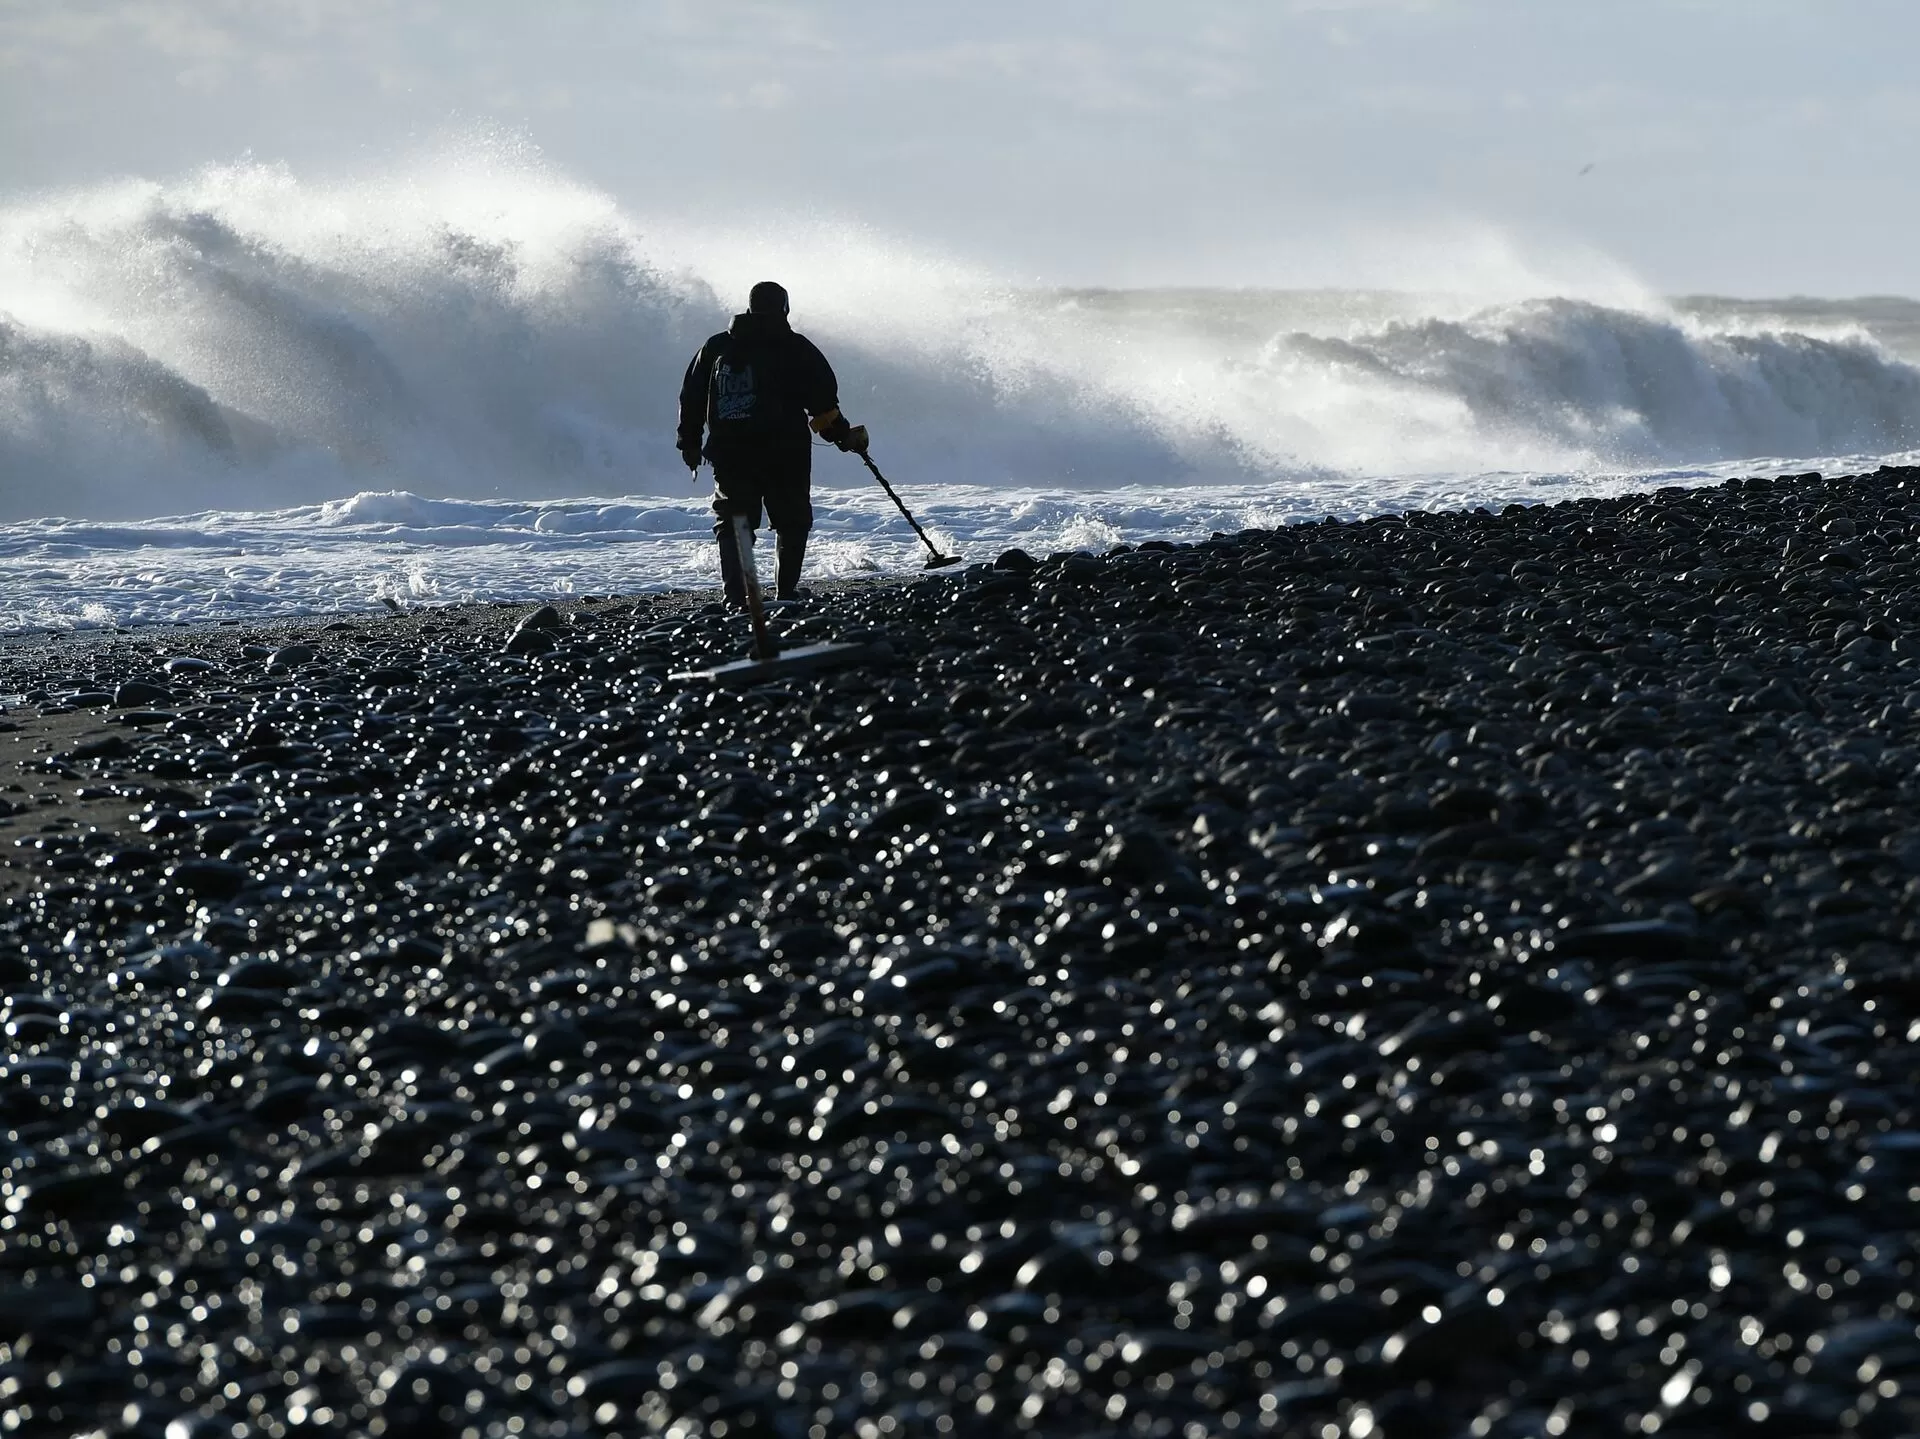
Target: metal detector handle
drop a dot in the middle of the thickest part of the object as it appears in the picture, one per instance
(867, 460)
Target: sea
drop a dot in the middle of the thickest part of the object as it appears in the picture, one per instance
(250, 393)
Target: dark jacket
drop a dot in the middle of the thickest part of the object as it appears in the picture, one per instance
(752, 389)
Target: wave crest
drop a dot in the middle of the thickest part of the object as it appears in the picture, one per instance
(246, 340)
(1620, 387)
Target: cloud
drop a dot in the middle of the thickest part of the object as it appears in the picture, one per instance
(203, 42)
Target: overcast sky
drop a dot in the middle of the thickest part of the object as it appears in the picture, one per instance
(1743, 146)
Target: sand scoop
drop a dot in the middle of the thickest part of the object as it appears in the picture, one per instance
(769, 661)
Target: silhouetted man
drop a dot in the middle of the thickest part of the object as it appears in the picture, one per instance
(755, 390)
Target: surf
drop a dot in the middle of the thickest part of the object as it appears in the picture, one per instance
(247, 339)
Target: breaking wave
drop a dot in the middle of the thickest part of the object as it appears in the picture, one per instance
(248, 340)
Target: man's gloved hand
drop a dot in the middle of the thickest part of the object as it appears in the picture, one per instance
(691, 454)
(834, 429)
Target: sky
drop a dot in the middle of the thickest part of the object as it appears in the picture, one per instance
(1746, 147)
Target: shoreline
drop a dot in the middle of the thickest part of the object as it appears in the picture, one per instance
(31, 733)
(1359, 966)
(1233, 506)
(163, 633)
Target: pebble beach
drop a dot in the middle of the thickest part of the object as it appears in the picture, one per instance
(1450, 973)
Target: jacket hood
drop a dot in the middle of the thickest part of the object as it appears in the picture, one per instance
(750, 324)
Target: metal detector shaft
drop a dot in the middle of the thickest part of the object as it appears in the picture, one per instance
(900, 504)
(764, 647)
(768, 662)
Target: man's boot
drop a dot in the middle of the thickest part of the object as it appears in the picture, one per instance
(732, 578)
(790, 553)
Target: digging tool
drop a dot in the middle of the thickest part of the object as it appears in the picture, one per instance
(935, 560)
(768, 661)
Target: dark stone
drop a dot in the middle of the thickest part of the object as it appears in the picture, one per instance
(137, 694)
(1373, 707)
(109, 746)
(208, 878)
(1631, 939)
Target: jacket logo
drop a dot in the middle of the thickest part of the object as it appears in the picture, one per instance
(732, 392)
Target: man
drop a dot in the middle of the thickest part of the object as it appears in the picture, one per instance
(754, 390)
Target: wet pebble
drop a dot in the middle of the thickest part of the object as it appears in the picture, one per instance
(1446, 974)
